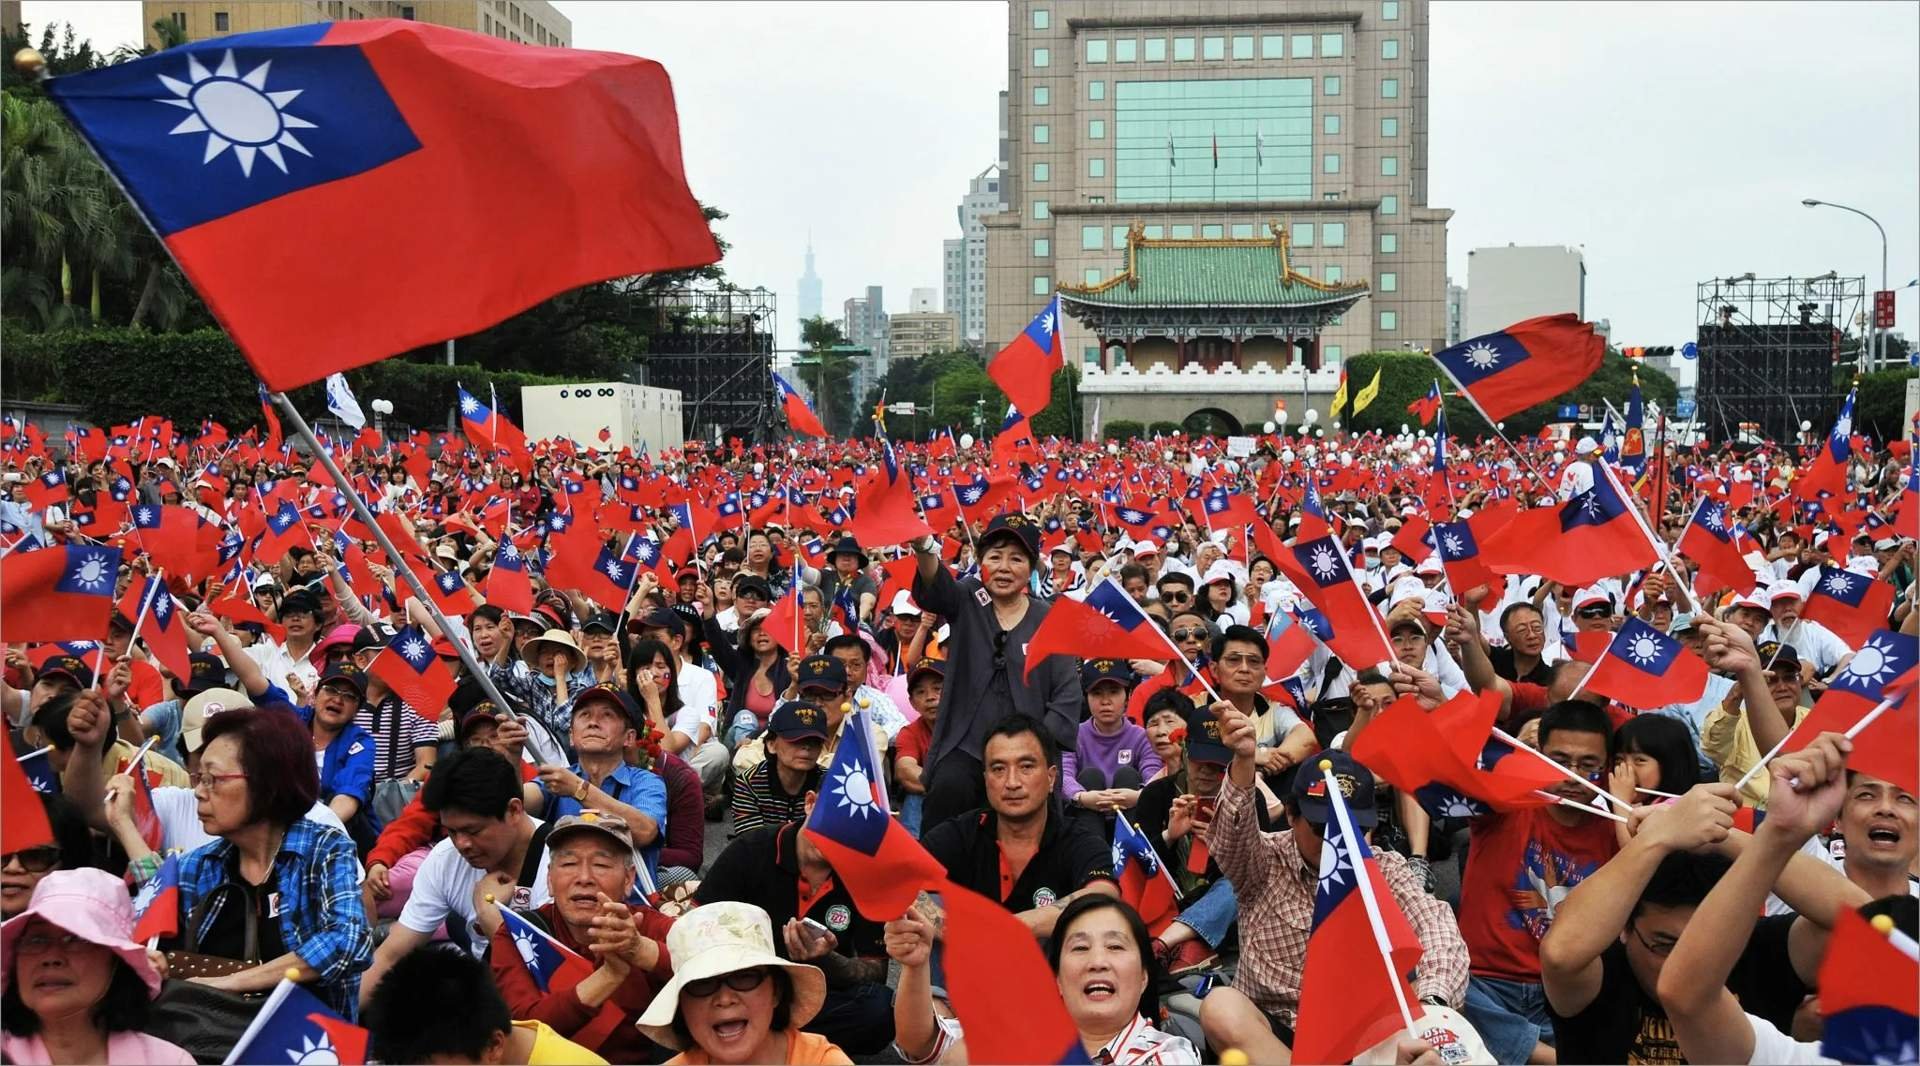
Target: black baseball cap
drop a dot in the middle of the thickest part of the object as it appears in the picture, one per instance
(607, 692)
(822, 672)
(377, 635)
(1204, 742)
(752, 583)
(206, 671)
(1780, 656)
(602, 621)
(664, 618)
(797, 720)
(299, 601)
(345, 670)
(1354, 780)
(72, 667)
(1095, 671)
(1017, 526)
(936, 667)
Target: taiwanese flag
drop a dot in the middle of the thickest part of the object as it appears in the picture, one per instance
(59, 593)
(1289, 645)
(799, 413)
(554, 967)
(1231, 510)
(409, 667)
(1644, 668)
(1513, 369)
(1313, 514)
(488, 427)
(23, 817)
(1145, 883)
(156, 909)
(285, 529)
(882, 866)
(1869, 983)
(1593, 535)
(395, 132)
(1827, 475)
(1460, 557)
(295, 1026)
(1906, 514)
(1414, 539)
(1348, 1000)
(785, 623)
(1000, 984)
(699, 522)
(508, 586)
(1107, 625)
(1885, 748)
(1322, 572)
(150, 606)
(1426, 406)
(1448, 757)
(177, 539)
(235, 609)
(884, 515)
(1709, 541)
(1024, 369)
(450, 593)
(47, 489)
(1852, 605)
(979, 497)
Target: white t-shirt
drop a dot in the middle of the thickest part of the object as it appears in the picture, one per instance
(699, 701)
(1770, 1045)
(443, 889)
(180, 828)
(273, 660)
(1814, 642)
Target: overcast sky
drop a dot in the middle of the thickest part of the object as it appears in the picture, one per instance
(1672, 142)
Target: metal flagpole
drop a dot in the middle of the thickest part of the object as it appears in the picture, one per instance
(537, 739)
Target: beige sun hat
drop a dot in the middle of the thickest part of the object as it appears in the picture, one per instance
(554, 636)
(718, 939)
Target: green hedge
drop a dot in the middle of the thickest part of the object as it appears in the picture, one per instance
(1161, 429)
(1880, 409)
(1123, 429)
(118, 375)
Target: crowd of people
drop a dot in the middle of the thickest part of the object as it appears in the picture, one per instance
(628, 773)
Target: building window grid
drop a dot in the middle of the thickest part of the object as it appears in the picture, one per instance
(1389, 88)
(1389, 126)
(1041, 95)
(1183, 49)
(1330, 163)
(1182, 232)
(1213, 49)
(1390, 48)
(1301, 46)
(1096, 90)
(1118, 237)
(1389, 282)
(1040, 172)
(1096, 49)
(1126, 50)
(1040, 210)
(1330, 85)
(1092, 276)
(1332, 45)
(1389, 204)
(1389, 321)
(221, 22)
(1243, 47)
(1389, 243)
(1213, 231)
(1301, 235)
(1333, 274)
(1333, 234)
(1042, 248)
(1041, 57)
(1096, 167)
(1389, 166)
(1156, 50)
(1040, 133)
(1042, 285)
(1097, 129)
(1040, 18)
(1092, 238)
(1273, 46)
(1389, 10)
(1330, 124)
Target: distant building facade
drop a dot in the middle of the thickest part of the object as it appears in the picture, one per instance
(1519, 282)
(1456, 313)
(519, 21)
(809, 286)
(964, 260)
(915, 334)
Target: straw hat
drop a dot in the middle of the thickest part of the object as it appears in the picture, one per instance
(559, 637)
(719, 939)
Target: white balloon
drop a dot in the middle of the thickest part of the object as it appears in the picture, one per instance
(1500, 426)
(1404, 430)
(966, 440)
(1804, 426)
(1310, 417)
(1336, 424)
(1319, 432)
(1176, 434)
(1167, 456)
(759, 468)
(1286, 455)
(1113, 448)
(1280, 416)
(1268, 426)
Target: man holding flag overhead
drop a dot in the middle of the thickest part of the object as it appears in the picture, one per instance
(1271, 873)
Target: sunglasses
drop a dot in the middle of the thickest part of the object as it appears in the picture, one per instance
(1175, 595)
(739, 981)
(33, 860)
(1192, 633)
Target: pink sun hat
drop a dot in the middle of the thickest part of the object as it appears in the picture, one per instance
(92, 905)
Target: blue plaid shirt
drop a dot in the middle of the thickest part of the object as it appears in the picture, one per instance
(321, 919)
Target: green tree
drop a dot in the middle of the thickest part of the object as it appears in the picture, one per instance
(830, 372)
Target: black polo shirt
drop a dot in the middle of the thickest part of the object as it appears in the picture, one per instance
(1068, 859)
(762, 867)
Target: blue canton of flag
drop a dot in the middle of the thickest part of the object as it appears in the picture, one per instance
(1484, 357)
(1320, 558)
(1455, 541)
(1840, 441)
(283, 519)
(1884, 656)
(1338, 878)
(1844, 585)
(1644, 647)
(285, 1031)
(852, 808)
(1111, 600)
(544, 956)
(1314, 620)
(1131, 845)
(1595, 507)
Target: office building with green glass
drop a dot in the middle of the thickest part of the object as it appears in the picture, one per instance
(1219, 122)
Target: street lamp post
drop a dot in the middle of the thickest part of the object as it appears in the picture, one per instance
(1880, 335)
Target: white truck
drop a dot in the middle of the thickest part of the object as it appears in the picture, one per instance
(640, 417)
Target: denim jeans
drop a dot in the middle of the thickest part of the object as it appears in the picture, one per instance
(1211, 916)
(1510, 1015)
(910, 812)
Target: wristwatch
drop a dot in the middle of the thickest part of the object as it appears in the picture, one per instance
(1435, 1001)
(580, 794)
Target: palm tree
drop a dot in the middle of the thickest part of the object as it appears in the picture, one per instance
(55, 206)
(832, 370)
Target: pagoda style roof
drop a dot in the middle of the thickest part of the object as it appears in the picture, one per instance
(1249, 272)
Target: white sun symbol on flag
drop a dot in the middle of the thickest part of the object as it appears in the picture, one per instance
(1325, 564)
(523, 942)
(92, 574)
(856, 792)
(143, 515)
(1643, 649)
(614, 570)
(1454, 546)
(469, 405)
(1843, 425)
(322, 1053)
(236, 111)
(1839, 584)
(162, 607)
(148, 893)
(414, 649)
(1716, 518)
(509, 551)
(1332, 878)
(1870, 667)
(1482, 355)
(1590, 503)
(1046, 323)
(1457, 806)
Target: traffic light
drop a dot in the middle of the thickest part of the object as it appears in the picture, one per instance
(1661, 352)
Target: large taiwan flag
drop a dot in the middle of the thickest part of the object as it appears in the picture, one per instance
(1884, 749)
(1107, 625)
(1024, 369)
(1320, 570)
(881, 864)
(60, 593)
(1512, 369)
(1593, 535)
(320, 184)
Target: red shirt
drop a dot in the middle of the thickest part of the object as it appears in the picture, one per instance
(614, 1037)
(912, 742)
(146, 688)
(1520, 865)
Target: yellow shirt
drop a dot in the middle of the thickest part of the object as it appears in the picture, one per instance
(552, 1049)
(170, 772)
(1727, 739)
(803, 1049)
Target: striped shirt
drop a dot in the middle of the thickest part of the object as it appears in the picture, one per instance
(397, 730)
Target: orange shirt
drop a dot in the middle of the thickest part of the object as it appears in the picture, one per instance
(803, 1049)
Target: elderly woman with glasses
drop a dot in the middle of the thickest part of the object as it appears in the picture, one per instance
(274, 890)
(990, 619)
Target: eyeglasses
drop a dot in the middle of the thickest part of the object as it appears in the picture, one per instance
(33, 860)
(1176, 596)
(739, 981)
(38, 943)
(1237, 661)
(1662, 948)
(1586, 767)
(1785, 677)
(199, 778)
(1190, 633)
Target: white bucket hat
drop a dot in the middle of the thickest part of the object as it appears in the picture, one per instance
(719, 939)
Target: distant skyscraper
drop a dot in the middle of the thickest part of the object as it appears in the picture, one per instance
(923, 300)
(809, 286)
(964, 261)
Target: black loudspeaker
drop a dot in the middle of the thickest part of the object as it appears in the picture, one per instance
(1772, 376)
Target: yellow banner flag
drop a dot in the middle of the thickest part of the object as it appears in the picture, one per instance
(1365, 396)
(1339, 396)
